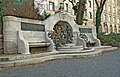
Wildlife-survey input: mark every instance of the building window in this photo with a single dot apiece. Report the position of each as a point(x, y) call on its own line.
point(105, 27)
point(90, 14)
point(90, 4)
point(105, 17)
point(104, 7)
point(114, 10)
point(109, 8)
point(18, 1)
point(66, 7)
point(111, 29)
point(118, 20)
point(114, 19)
point(110, 19)
point(51, 6)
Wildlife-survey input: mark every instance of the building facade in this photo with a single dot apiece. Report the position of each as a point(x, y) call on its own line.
point(118, 11)
point(110, 18)
point(53, 6)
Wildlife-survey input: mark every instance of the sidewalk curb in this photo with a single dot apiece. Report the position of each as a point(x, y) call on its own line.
point(54, 56)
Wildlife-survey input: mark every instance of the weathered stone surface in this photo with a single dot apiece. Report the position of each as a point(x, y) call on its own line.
point(63, 33)
point(32, 27)
point(10, 47)
point(13, 24)
point(90, 36)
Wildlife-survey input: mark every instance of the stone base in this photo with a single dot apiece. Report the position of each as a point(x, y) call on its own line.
point(36, 50)
point(1, 44)
point(10, 47)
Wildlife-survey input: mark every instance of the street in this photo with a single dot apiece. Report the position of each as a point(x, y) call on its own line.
point(106, 65)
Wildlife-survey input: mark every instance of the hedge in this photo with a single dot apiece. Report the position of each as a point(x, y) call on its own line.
point(110, 39)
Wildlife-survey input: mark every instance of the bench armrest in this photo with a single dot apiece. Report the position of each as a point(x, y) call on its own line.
point(52, 45)
point(23, 46)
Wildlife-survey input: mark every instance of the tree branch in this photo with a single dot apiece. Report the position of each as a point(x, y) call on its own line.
point(101, 2)
point(72, 2)
point(97, 4)
point(102, 5)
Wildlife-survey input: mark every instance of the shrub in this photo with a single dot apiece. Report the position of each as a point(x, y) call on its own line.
point(110, 39)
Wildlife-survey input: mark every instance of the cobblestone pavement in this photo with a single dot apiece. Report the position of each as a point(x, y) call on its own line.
point(106, 65)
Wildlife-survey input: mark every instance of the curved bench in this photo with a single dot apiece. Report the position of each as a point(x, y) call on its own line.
point(89, 41)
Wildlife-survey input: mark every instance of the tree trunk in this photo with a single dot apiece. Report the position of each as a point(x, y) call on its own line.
point(80, 13)
point(98, 20)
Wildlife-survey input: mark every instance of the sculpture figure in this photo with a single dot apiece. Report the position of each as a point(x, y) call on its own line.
point(41, 6)
point(62, 34)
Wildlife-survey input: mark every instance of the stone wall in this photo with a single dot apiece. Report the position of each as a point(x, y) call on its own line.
point(13, 24)
point(10, 28)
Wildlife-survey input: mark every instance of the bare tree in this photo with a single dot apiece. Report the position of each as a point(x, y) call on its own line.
point(79, 8)
point(100, 4)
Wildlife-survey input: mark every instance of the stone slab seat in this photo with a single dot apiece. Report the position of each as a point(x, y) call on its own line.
point(29, 39)
point(94, 41)
point(39, 44)
point(91, 43)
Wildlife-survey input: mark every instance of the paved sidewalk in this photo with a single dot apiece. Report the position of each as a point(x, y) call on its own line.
point(105, 65)
point(18, 60)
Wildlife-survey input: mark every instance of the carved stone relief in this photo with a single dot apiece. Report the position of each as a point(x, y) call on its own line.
point(63, 34)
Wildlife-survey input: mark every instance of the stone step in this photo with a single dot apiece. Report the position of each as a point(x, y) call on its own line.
point(30, 56)
point(18, 60)
point(24, 57)
point(6, 63)
point(71, 48)
point(21, 57)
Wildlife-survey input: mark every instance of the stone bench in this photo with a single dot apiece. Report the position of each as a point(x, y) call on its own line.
point(39, 44)
point(38, 47)
point(89, 39)
point(91, 43)
point(33, 39)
